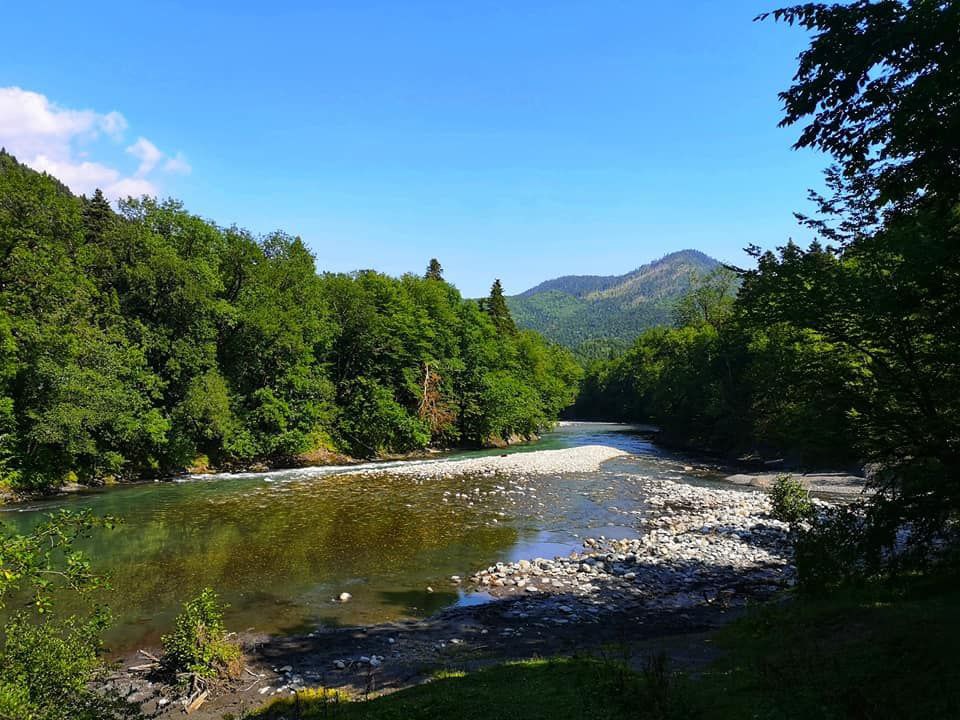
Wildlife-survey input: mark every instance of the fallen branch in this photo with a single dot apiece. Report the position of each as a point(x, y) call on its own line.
point(144, 668)
point(197, 701)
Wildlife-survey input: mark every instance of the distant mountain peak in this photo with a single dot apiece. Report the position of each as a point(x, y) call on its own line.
point(584, 285)
point(575, 309)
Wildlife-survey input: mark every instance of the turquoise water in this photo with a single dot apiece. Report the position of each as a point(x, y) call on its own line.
point(278, 546)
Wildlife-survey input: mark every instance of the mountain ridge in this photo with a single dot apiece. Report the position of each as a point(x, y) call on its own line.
point(612, 310)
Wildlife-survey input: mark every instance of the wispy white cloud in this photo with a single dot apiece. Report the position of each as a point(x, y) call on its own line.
point(147, 153)
point(57, 140)
point(178, 165)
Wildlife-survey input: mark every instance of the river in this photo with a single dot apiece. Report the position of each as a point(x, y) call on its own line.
point(279, 546)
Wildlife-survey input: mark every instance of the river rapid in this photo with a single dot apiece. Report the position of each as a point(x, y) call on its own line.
point(280, 546)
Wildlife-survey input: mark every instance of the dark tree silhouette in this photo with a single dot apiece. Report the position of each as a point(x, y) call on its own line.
point(496, 307)
point(434, 270)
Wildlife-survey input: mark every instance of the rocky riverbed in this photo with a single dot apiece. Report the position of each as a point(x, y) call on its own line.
point(701, 552)
point(585, 458)
point(698, 546)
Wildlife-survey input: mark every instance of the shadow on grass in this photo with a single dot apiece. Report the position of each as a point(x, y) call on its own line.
point(881, 651)
point(557, 689)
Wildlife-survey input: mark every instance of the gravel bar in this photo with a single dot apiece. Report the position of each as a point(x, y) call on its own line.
point(586, 458)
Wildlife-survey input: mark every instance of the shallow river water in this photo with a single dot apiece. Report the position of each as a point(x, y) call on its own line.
point(279, 546)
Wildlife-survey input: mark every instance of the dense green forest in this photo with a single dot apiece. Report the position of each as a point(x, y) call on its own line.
point(724, 380)
point(135, 342)
point(846, 350)
point(596, 316)
point(148, 340)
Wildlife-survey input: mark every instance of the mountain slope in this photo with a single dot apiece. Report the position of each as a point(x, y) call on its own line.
point(582, 309)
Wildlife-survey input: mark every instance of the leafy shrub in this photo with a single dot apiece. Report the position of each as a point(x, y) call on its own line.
point(46, 670)
point(845, 545)
point(47, 664)
point(199, 642)
point(791, 501)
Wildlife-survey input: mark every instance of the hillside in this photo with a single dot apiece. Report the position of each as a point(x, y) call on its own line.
point(580, 311)
point(142, 343)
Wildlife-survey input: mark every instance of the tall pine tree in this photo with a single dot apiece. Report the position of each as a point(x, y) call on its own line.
point(496, 307)
point(434, 270)
point(97, 216)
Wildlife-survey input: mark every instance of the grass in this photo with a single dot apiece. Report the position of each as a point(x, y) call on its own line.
point(886, 650)
point(582, 688)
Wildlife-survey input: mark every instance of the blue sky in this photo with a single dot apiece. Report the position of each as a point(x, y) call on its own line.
point(519, 140)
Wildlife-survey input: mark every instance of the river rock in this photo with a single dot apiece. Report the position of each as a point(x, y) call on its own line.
point(695, 542)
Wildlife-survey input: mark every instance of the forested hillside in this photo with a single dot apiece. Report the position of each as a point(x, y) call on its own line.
point(147, 340)
point(594, 314)
point(845, 350)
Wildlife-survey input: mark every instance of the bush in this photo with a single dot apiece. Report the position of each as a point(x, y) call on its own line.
point(791, 501)
point(199, 642)
point(847, 544)
point(46, 670)
point(48, 664)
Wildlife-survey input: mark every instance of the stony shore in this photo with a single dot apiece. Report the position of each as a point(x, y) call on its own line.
point(698, 546)
point(836, 484)
point(586, 458)
point(702, 552)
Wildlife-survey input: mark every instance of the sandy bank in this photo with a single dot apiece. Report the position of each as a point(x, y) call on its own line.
point(838, 484)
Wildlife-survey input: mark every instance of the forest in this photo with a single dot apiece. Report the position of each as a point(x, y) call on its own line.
point(599, 316)
point(844, 352)
point(149, 341)
point(142, 342)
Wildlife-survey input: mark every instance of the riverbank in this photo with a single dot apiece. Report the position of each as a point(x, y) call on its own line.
point(884, 650)
point(584, 458)
point(306, 461)
point(828, 484)
point(702, 554)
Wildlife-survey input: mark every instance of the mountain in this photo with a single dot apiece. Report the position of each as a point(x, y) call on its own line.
point(586, 312)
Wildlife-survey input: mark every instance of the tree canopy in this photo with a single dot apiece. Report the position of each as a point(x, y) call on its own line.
point(843, 352)
point(146, 340)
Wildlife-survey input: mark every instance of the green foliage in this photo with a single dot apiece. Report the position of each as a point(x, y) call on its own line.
point(434, 270)
point(132, 342)
point(373, 423)
point(709, 300)
point(46, 662)
point(496, 307)
point(555, 689)
point(46, 670)
point(199, 642)
point(41, 561)
point(876, 88)
point(592, 315)
point(791, 501)
point(847, 544)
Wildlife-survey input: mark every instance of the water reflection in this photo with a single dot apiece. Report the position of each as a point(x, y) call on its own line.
point(279, 546)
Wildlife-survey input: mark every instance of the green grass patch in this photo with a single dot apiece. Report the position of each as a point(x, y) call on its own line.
point(584, 689)
point(885, 650)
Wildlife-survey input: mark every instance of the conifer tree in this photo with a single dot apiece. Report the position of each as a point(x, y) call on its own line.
point(434, 270)
point(97, 216)
point(496, 307)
